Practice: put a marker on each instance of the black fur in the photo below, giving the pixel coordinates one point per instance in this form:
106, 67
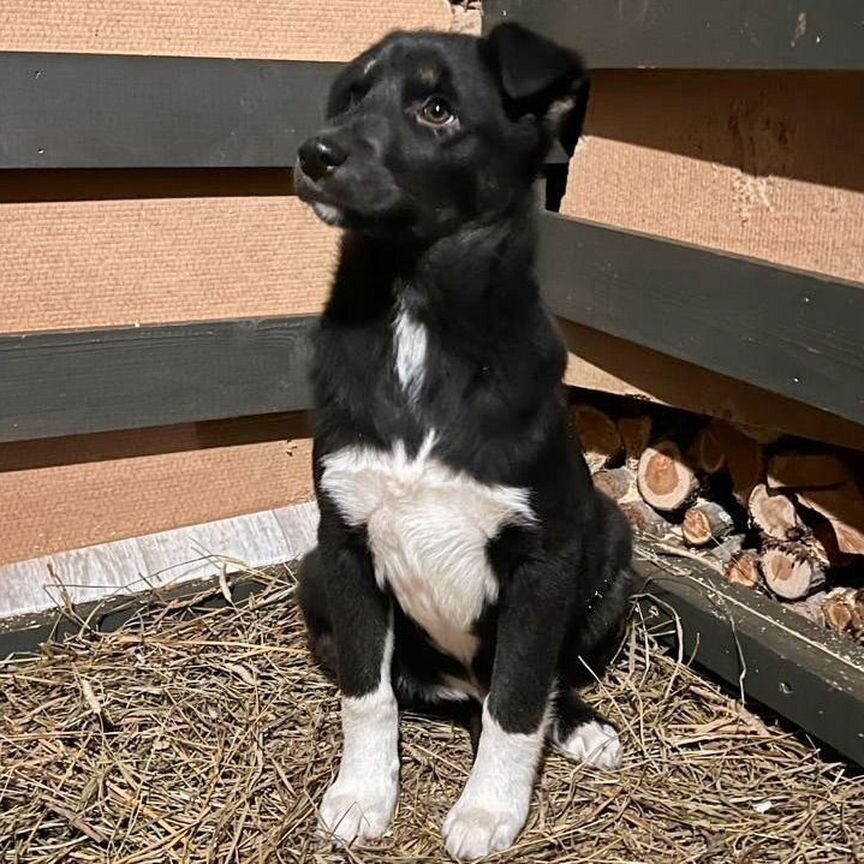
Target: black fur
440, 218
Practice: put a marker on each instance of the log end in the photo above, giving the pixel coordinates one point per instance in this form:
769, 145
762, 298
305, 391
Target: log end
664, 480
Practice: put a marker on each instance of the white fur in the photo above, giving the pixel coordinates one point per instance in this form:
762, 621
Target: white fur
468, 689
409, 343
327, 213
494, 804
594, 744
428, 528
360, 803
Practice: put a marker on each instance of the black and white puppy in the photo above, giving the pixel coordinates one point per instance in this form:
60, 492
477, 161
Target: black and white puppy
463, 555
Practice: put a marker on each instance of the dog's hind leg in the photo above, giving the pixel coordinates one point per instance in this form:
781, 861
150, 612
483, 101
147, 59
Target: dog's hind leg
583, 735
312, 596
579, 732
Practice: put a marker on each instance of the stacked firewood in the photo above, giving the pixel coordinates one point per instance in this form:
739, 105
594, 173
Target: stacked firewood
765, 511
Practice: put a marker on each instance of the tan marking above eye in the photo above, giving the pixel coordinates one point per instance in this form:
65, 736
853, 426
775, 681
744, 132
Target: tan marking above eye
427, 74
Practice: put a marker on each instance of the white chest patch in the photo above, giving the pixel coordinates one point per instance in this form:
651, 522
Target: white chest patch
409, 346
428, 528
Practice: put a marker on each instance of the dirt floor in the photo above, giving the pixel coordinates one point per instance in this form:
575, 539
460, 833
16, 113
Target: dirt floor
209, 738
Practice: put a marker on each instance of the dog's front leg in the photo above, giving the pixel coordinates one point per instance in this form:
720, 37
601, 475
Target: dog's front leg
494, 803
360, 803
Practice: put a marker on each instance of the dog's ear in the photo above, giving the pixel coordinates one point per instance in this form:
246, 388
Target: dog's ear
536, 76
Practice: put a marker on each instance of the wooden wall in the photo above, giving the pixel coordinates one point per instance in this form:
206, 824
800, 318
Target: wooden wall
765, 164
739, 161
124, 248
760, 163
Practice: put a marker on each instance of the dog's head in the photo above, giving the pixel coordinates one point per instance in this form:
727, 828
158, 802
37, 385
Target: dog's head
430, 132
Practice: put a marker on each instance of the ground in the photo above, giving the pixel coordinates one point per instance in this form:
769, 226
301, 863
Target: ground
208, 737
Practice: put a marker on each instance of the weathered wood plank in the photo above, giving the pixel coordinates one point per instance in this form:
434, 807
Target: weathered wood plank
97, 574
683, 34
113, 111
805, 673
786, 331
608, 364
76, 382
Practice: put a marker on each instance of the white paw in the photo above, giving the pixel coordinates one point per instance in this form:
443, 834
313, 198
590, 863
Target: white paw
357, 811
473, 829
594, 744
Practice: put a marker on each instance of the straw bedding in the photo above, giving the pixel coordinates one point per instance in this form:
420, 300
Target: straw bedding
209, 737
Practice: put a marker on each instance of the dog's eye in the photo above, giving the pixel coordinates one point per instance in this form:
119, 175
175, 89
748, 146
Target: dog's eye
436, 112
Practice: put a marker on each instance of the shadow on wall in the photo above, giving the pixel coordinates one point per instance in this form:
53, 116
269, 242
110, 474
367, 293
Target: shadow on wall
802, 125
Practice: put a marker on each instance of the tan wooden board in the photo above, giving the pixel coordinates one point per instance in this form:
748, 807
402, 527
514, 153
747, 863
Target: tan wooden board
48, 509
295, 29
764, 164
87, 264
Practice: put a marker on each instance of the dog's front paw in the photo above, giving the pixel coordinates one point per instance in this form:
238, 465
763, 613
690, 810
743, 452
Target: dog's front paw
475, 828
358, 811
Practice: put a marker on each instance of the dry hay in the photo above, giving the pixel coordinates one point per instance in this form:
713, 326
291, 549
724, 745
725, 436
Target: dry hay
209, 738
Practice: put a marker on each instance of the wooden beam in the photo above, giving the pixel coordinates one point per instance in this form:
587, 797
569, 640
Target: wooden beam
33, 185
79, 382
112, 111
786, 331
683, 34
804, 673
162, 561
608, 364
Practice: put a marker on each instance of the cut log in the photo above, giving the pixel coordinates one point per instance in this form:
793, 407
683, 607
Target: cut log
743, 459
810, 608
843, 507
724, 552
843, 609
706, 522
618, 483
792, 570
635, 434
598, 435
774, 515
645, 520
793, 470
665, 481
707, 455
744, 569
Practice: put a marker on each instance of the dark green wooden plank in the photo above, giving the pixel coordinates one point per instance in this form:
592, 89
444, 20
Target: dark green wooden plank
78, 382
111, 111
686, 34
787, 331
804, 673
24, 635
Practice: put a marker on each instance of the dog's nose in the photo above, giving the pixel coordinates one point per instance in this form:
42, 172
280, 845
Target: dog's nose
319, 156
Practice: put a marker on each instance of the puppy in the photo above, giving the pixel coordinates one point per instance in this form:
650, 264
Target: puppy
463, 556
